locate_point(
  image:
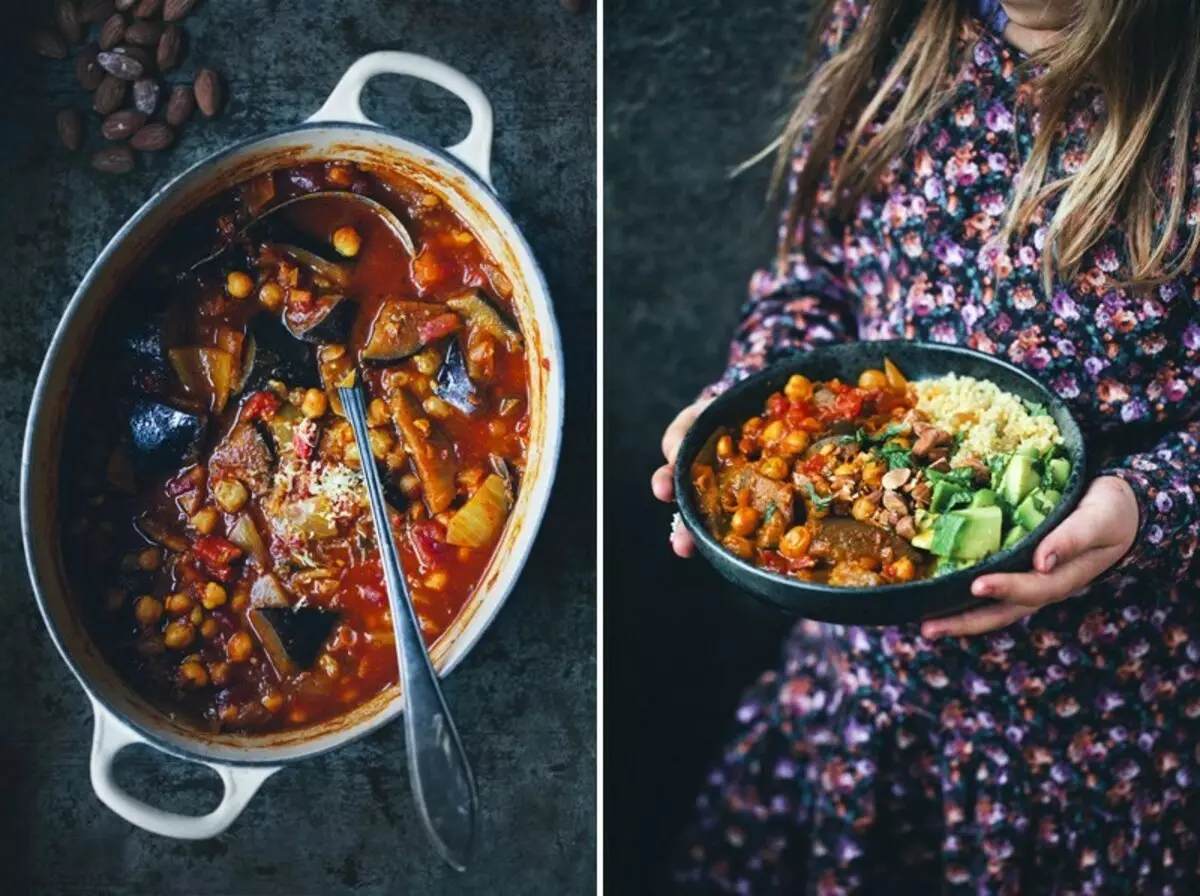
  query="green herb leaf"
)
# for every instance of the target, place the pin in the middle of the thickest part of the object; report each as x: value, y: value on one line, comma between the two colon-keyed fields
x: 1035, y: 409
x: 963, y: 477
x: 896, y: 456
x: 815, y: 499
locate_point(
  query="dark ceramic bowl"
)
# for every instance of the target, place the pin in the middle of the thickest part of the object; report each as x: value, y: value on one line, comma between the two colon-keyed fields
x: 887, y: 604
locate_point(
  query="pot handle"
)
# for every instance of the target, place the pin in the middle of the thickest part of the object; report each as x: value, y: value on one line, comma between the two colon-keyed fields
x: 343, y: 103
x: 112, y: 735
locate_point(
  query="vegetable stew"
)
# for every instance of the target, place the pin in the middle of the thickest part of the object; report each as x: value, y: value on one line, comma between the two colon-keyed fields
x: 853, y: 484
x: 217, y: 528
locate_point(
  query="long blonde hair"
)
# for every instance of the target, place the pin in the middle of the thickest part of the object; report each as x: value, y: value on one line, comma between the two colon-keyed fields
x: 1142, y: 56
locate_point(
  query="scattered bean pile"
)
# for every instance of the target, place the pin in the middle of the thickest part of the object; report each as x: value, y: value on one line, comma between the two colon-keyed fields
x: 128, y: 48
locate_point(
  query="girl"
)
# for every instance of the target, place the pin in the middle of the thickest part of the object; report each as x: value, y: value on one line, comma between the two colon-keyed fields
x: 1024, y: 178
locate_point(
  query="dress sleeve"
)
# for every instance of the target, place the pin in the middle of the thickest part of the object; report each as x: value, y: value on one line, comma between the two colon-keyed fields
x: 804, y: 298
x: 1164, y: 480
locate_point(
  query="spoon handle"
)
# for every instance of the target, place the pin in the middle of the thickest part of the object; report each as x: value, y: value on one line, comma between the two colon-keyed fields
x: 441, y: 777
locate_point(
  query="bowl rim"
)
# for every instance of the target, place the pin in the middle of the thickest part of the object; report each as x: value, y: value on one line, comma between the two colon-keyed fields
x: 705, y: 424
x: 40, y: 415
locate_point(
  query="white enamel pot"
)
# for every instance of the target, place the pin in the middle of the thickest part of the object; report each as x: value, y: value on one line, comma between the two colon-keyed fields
x: 460, y: 175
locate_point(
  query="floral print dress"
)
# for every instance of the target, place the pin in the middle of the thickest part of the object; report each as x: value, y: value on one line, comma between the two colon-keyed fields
x: 1059, y: 755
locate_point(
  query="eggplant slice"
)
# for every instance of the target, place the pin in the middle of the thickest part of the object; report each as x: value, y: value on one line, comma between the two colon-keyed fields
x: 162, y: 437
x: 329, y: 319
x: 453, y: 384
x: 292, y: 638
x: 396, y: 332
x: 244, y: 454
x: 432, y: 451
x: 278, y: 355
x: 483, y: 315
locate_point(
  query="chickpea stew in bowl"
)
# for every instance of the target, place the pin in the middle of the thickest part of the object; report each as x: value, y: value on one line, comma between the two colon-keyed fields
x: 880, y: 481
x: 218, y: 530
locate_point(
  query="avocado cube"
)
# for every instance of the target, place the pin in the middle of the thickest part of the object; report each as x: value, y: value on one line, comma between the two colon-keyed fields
x: 1019, y: 479
x: 985, y: 497
x: 943, y: 493
x: 945, y: 534
x: 1047, y: 498
x: 923, y: 539
x: 1028, y: 514
x: 1015, y: 534
x: 1060, y: 472
x: 979, y: 534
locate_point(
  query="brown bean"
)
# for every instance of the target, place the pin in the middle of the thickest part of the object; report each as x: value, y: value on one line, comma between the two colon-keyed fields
x: 111, y: 31
x: 143, y: 34
x: 174, y: 10
x: 122, y: 125
x: 180, y: 105
x: 49, y: 44
x: 113, y: 159
x: 92, y: 12
x: 66, y: 15
x: 208, y: 92
x: 169, y: 49
x: 109, y: 95
x: 124, y: 5
x: 147, y: 9
x: 88, y: 72
x: 153, y: 137
x: 70, y: 128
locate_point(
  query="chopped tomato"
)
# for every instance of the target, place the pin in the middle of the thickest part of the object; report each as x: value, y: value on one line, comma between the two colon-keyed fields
x: 777, y: 406
x: 438, y: 327
x: 814, y: 464
x: 848, y: 404
x: 428, y: 539
x: 261, y: 404
x: 215, y: 551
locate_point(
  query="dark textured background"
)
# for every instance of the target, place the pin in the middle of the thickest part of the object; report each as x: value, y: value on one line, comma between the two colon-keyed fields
x: 525, y: 699
x: 690, y: 91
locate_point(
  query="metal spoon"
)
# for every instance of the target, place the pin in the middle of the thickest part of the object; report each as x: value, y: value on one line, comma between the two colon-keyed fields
x: 442, y: 782
x: 394, y: 224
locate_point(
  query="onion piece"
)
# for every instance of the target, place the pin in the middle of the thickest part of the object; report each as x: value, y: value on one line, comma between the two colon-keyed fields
x: 478, y: 522
x: 245, y: 535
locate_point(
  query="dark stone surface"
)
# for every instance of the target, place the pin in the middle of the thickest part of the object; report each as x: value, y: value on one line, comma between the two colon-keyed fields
x: 525, y: 698
x: 691, y: 90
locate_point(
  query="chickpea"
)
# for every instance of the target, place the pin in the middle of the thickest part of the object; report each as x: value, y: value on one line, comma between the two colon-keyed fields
x: 752, y: 427
x: 239, y: 648
x: 178, y: 604
x: 148, y: 610
x: 795, y: 542
x: 229, y: 714
x: 347, y: 241
x: 725, y: 447
x: 862, y: 508
x: 230, y: 495
x: 214, y: 596
x: 196, y: 616
x: 193, y: 675
x: 209, y: 629
x: 798, y: 388
x: 903, y: 570
x: 435, y: 407
x: 872, y: 379
x: 179, y: 634
x: 378, y: 413
x: 270, y: 296
x: 239, y: 602
x: 381, y: 441
x: 437, y: 581
x: 428, y: 361
x: 738, y: 546
x: 273, y: 702
x: 772, y: 433
x: 872, y: 474
x: 150, y: 559
x: 219, y: 673
x: 795, y: 443
x: 239, y: 284
x: 745, y: 520
x: 315, y: 404
x: 204, y: 521
x: 775, y: 468
x: 329, y: 666
x: 297, y: 717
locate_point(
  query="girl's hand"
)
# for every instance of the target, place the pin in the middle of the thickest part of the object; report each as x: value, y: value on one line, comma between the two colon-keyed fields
x: 1086, y: 544
x: 662, y: 484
